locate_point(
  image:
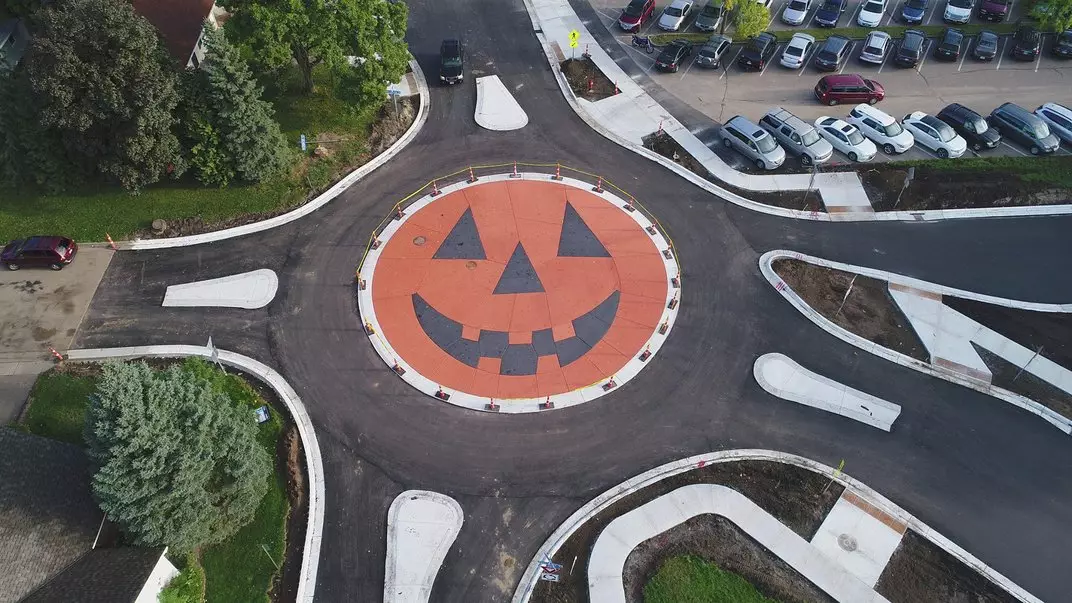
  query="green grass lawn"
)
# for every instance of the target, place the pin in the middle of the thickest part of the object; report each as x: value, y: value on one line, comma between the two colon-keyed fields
x: 57, y: 407
x: 1050, y: 171
x: 688, y: 579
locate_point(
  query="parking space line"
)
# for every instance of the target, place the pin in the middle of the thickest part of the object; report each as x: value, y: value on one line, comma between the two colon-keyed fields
x: 893, y: 12
x: 1013, y: 148
x: 767, y: 64
x: 773, y: 14
x: 965, y: 55
x: 691, y: 63
x: 856, y: 12
x: 725, y: 68
x: 934, y: 5
x: 1042, y: 44
x: 1001, y: 53
x: 843, y: 65
x: 889, y: 51
x: 926, y: 47
x: 807, y: 59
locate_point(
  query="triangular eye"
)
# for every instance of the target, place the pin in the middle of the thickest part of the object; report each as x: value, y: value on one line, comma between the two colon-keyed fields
x: 463, y: 242
x: 577, y: 240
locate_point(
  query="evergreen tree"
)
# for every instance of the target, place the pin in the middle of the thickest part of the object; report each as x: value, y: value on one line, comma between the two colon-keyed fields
x: 179, y: 462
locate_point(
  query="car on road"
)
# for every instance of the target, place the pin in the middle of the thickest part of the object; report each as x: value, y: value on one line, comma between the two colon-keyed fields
x: 710, y: 16
x: 797, y: 136
x: 914, y: 11
x: 934, y: 134
x: 754, y: 142
x: 797, y: 50
x: 848, y: 88
x: 451, y: 68
x: 832, y: 54
x: 1026, y: 43
x: 636, y: 14
x: 760, y: 49
x: 876, y: 47
x: 1059, y: 119
x: 958, y: 11
x: 994, y: 10
x: 39, y: 252
x: 829, y: 14
x: 871, y: 13
x: 710, y: 54
x: 1024, y: 127
x: 881, y: 128
x: 796, y: 11
x: 674, y: 15
x: 948, y: 47
x: 1062, y: 45
x: 910, y: 51
x: 673, y: 55
x: 846, y: 138
x: 971, y: 126
x: 986, y: 46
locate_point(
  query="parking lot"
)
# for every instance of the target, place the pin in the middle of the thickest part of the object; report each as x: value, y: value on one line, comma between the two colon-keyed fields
x: 722, y: 93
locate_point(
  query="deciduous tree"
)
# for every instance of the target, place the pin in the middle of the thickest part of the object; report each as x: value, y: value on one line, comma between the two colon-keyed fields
x: 750, y: 18
x: 1054, y: 15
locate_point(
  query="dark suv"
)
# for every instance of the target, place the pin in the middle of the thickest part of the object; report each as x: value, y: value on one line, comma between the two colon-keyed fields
x: 671, y: 58
x: 760, y: 49
x: 911, y: 49
x: 829, y: 13
x: 832, y: 53
x: 994, y: 10
x: 969, y: 124
x: 1062, y: 46
x: 948, y: 47
x: 54, y: 252
x: 1024, y: 127
x: 1026, y: 43
x: 450, y: 62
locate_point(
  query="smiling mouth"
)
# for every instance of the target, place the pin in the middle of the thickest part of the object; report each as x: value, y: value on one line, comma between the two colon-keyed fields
x: 517, y: 358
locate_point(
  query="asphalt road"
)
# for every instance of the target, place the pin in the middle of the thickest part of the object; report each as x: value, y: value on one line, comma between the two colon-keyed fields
x: 993, y: 478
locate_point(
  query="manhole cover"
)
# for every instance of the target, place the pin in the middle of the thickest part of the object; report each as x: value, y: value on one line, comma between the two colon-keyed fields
x: 847, y: 542
x: 419, y: 240
x: 471, y: 265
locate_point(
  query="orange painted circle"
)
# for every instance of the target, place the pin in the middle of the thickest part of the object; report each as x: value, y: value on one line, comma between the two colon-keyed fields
x: 472, y: 290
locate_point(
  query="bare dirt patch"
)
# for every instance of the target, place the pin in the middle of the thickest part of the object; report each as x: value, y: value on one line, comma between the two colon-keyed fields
x: 935, y: 189
x: 586, y: 79
x: 920, y: 572
x: 1007, y: 375
x: 869, y: 311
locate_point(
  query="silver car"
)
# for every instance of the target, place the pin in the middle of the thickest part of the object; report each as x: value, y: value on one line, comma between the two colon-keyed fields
x: 1059, y: 118
x: 674, y: 15
x: 753, y: 142
x: 711, y: 53
x: 876, y: 46
x: 797, y: 136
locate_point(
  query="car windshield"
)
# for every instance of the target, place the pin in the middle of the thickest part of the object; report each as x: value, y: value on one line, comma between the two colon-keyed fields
x: 1065, y: 38
x: 978, y: 124
x: 673, y: 11
x: 831, y: 7
x: 798, y: 5
x: 871, y: 49
x: 950, y: 45
x: 945, y: 133
x: 893, y: 129
x: 873, y: 7
x: 1040, y: 130
x: 917, y: 4
x: 766, y: 144
x: 709, y: 52
x: 61, y: 249
x: 854, y: 135
x: 794, y: 51
x: 809, y: 138
x: 711, y: 11
x: 960, y: 3
x: 987, y: 41
x: 634, y: 8
x: 452, y: 61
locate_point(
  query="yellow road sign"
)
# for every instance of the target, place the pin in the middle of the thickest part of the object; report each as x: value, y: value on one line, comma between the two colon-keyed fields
x: 574, y: 36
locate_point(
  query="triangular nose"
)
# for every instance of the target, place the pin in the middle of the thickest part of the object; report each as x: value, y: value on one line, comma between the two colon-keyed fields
x: 519, y: 276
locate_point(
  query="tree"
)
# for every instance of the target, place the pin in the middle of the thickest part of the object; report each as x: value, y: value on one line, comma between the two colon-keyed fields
x: 179, y: 461
x: 1055, y: 15
x: 23, y: 8
x: 102, y: 82
x: 383, y: 54
x: 748, y: 17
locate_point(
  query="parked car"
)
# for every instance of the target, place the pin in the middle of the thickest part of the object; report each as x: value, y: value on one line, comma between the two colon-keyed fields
x: 994, y: 10
x: 797, y: 136
x: 848, y: 88
x: 1062, y: 45
x: 948, y: 47
x: 797, y: 50
x: 1059, y: 119
x: 1024, y: 127
x: 674, y: 15
x: 760, y: 49
x: 754, y: 142
x: 451, y: 68
x: 39, y: 252
x: 832, y: 53
x: 796, y: 11
x: 971, y: 126
x: 914, y: 11
x: 710, y: 16
x: 710, y: 54
x: 846, y: 138
x: 881, y: 128
x: 1026, y: 43
x: 910, y: 51
x: 986, y: 46
x: 636, y: 14
x: 876, y: 45
x: 935, y: 134
x: 765, y: 3
x: 958, y: 11
x: 673, y: 55
x: 871, y: 13
x: 829, y: 14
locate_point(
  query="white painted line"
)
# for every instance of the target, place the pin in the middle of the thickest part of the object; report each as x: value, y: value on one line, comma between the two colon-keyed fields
x: 774, y: 14
x: 926, y: 50
x: 889, y: 52
x: 964, y: 56
x: 1038, y: 61
x: 807, y: 59
x: 931, y: 15
x: 1001, y: 53
x: 855, y: 13
x: 725, y: 68
x: 1013, y: 148
x: 889, y: 19
x: 691, y: 63
x: 768, y: 63
x: 846, y: 63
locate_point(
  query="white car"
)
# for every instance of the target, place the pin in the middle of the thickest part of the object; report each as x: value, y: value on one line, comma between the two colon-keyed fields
x: 871, y: 13
x: 934, y: 134
x: 674, y: 15
x: 876, y: 47
x: 846, y: 138
x: 796, y: 11
x: 881, y: 128
x: 958, y: 11
x: 797, y: 50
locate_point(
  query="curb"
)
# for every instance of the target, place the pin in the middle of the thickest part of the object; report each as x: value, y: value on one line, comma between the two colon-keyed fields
x: 765, y: 261
x: 601, y: 502
x: 313, y: 462
x: 491, y: 85
x: 321, y: 200
x: 392, y: 529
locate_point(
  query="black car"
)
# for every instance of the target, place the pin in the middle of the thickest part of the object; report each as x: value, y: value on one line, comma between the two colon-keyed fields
x: 948, y: 48
x: 671, y: 58
x: 1062, y: 46
x: 450, y: 62
x: 986, y: 46
x: 1026, y: 43
x: 829, y: 13
x: 832, y: 53
x: 911, y: 49
x: 971, y: 126
x: 760, y: 49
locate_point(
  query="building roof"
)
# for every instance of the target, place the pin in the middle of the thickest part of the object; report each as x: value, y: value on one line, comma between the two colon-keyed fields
x: 178, y: 21
x: 101, y: 576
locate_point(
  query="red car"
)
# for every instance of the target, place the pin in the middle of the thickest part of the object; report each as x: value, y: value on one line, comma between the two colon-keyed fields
x: 848, y: 88
x: 636, y: 14
x: 54, y: 252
